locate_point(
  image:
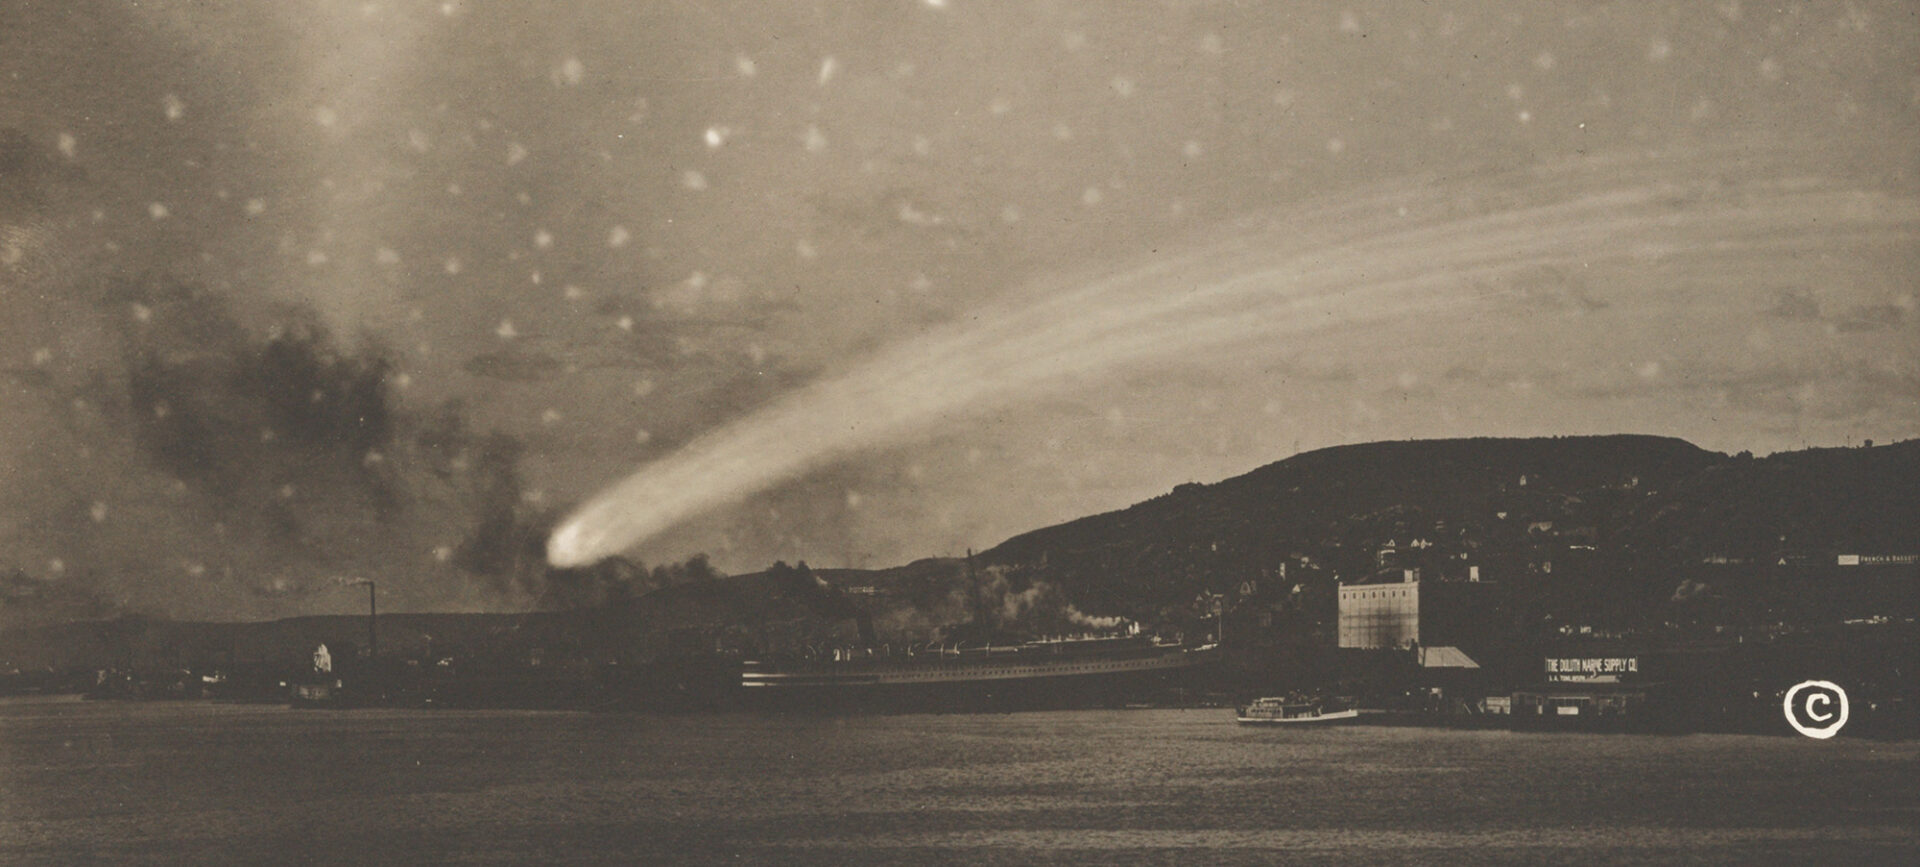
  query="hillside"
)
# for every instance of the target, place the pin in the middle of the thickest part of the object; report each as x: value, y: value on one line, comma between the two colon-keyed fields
x: 1615, y: 532
x: 1603, y: 528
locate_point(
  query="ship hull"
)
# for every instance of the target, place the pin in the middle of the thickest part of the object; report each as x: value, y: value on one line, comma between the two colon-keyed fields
x: 961, y: 688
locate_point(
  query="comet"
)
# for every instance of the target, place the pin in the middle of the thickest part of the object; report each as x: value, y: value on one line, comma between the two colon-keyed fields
x: 1405, y: 249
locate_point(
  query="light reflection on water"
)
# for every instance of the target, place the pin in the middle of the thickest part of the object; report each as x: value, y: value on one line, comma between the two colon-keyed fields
x: 200, y: 783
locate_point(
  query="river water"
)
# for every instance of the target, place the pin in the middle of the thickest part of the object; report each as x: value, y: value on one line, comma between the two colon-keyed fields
x: 200, y: 783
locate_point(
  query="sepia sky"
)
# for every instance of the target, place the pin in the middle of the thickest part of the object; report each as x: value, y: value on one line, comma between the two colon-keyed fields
x: 858, y: 283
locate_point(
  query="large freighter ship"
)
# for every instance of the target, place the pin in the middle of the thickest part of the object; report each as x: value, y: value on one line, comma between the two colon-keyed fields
x: 1061, y: 672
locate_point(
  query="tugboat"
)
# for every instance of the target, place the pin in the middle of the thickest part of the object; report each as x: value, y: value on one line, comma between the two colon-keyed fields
x: 1292, y: 711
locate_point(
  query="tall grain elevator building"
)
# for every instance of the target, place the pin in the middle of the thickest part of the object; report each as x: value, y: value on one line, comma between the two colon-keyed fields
x: 1397, y: 610
x: 1378, y: 615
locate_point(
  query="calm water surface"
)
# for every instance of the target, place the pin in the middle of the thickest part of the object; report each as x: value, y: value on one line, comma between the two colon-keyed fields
x: 198, y: 783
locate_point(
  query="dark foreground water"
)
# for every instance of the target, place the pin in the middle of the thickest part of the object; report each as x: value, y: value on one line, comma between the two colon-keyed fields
x: 197, y: 783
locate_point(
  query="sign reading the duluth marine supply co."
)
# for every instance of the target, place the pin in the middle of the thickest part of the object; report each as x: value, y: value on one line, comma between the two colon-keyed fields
x: 1591, y: 669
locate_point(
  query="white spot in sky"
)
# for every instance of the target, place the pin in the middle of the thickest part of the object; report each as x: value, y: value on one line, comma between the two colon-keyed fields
x: 717, y: 136
x: 543, y: 239
x: 743, y: 65
x: 173, y: 107
x: 693, y: 180
x: 453, y: 265
x: 316, y: 258
x: 1091, y: 196
x: 1335, y: 146
x: 1771, y: 70
x: 1192, y: 149
x: 828, y: 66
x: 1062, y: 132
x: 68, y: 146
x: 56, y: 565
x: 550, y: 417
x: 442, y: 553
x: 643, y: 388
x: 506, y: 331
x: 1525, y: 116
x: 854, y: 499
x: 618, y: 236
x: 913, y: 216
x: 515, y: 153
x: 256, y: 207
x: 1855, y: 20
x: 804, y: 249
x: 98, y: 511
x: 814, y: 140
x: 42, y: 357
x: 1349, y: 22
x: 573, y: 293
x: 571, y: 72
x: 1647, y: 369
x: 625, y: 323
x: 641, y: 437
x: 325, y: 116
x: 1659, y: 50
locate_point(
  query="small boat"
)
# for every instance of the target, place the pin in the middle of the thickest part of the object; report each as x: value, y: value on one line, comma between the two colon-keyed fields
x: 1285, y: 711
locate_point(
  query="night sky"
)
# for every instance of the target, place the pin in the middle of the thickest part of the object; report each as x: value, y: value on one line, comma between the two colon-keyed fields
x: 298, y: 293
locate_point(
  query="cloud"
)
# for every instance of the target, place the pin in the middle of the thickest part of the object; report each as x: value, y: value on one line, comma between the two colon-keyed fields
x: 514, y: 366
x: 1794, y: 303
x: 1872, y: 317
